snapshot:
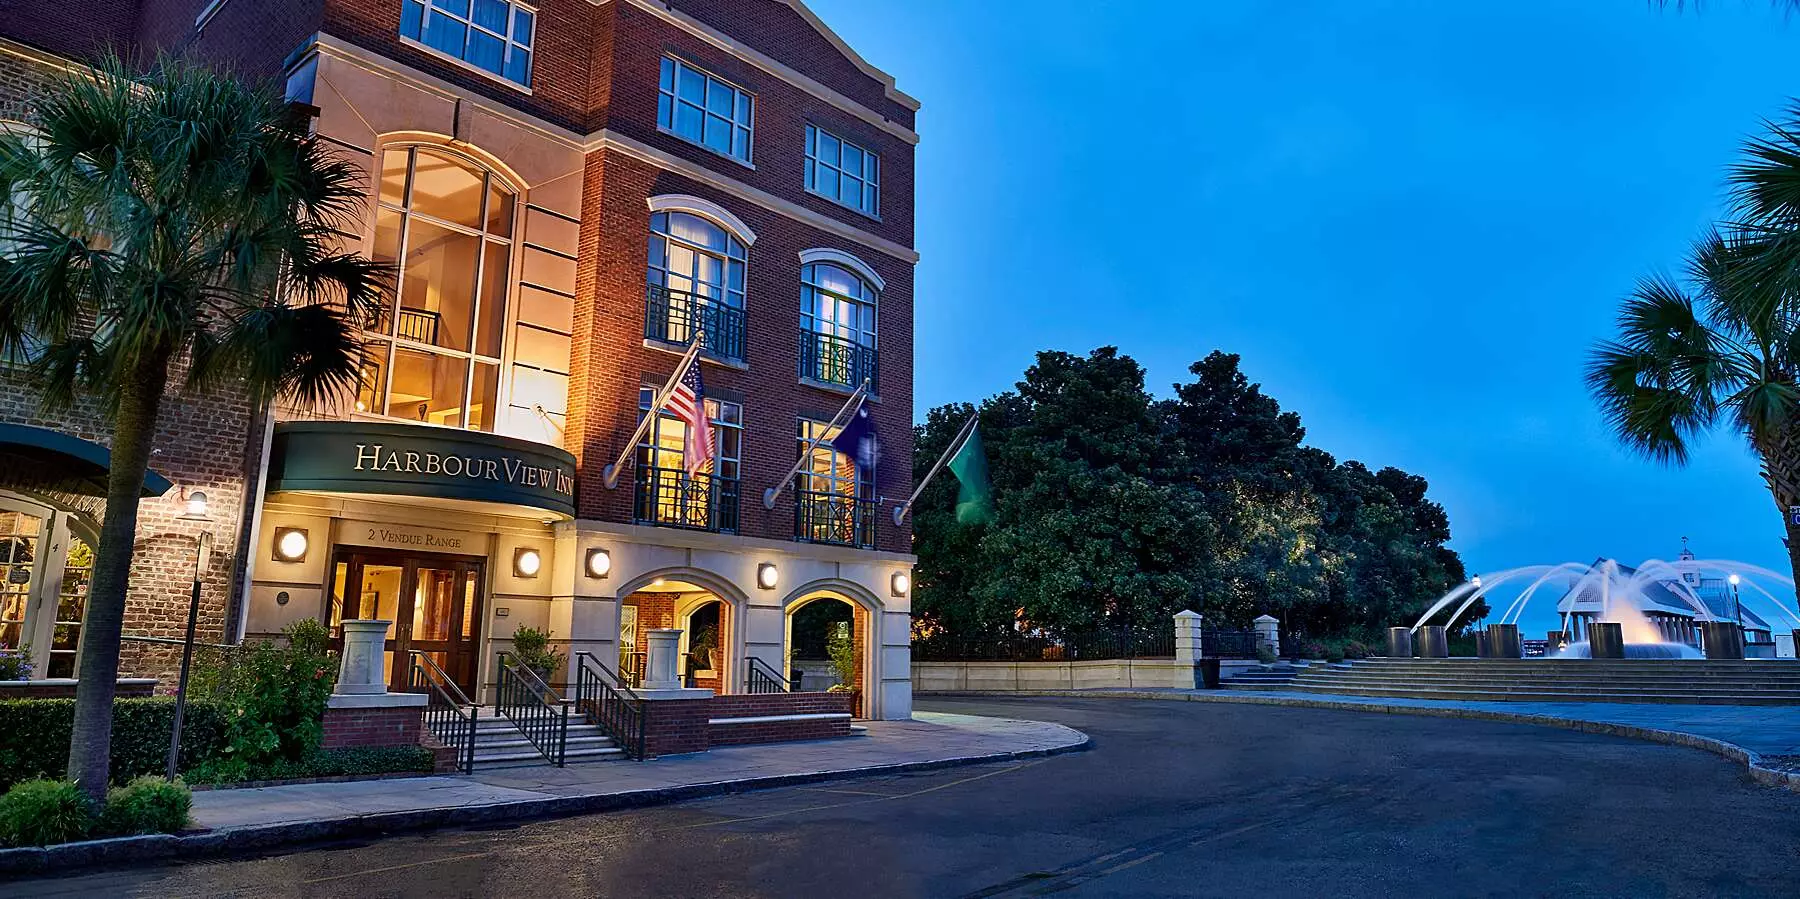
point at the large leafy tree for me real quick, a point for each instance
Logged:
(171, 228)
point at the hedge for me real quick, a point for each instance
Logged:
(34, 737)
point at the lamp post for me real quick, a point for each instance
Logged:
(195, 512)
(1737, 606)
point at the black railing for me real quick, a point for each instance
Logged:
(602, 696)
(834, 518)
(1228, 644)
(449, 715)
(836, 360)
(1100, 644)
(672, 316)
(419, 324)
(631, 668)
(761, 677)
(671, 498)
(534, 708)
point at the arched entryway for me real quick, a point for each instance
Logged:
(706, 610)
(829, 644)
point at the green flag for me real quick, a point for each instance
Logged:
(974, 495)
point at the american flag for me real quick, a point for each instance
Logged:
(688, 403)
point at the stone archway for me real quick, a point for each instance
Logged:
(815, 616)
(671, 598)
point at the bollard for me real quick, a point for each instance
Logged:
(1722, 639)
(1503, 641)
(1400, 644)
(1482, 649)
(1434, 642)
(1606, 640)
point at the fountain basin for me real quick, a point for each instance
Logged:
(1582, 650)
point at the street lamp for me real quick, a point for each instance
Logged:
(1737, 606)
(194, 511)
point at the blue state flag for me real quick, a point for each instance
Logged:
(857, 439)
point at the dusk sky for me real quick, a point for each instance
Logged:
(1411, 218)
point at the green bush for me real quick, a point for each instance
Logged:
(1355, 649)
(15, 664)
(34, 736)
(1334, 654)
(351, 761)
(273, 697)
(1266, 654)
(42, 812)
(531, 648)
(149, 804)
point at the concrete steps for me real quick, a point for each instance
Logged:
(498, 744)
(1676, 681)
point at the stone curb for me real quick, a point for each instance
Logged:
(1752, 761)
(160, 847)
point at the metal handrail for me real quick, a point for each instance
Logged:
(534, 708)
(631, 668)
(672, 316)
(761, 677)
(829, 517)
(603, 698)
(449, 714)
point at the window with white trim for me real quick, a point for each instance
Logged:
(492, 35)
(842, 172)
(704, 110)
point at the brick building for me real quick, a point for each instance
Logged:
(572, 192)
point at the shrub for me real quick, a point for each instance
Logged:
(1312, 649)
(148, 804)
(843, 658)
(1334, 654)
(1266, 654)
(273, 697)
(1355, 649)
(42, 812)
(350, 761)
(531, 647)
(15, 664)
(34, 736)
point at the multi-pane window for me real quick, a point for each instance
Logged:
(701, 109)
(491, 35)
(20, 534)
(434, 356)
(666, 494)
(842, 172)
(837, 302)
(65, 640)
(828, 471)
(661, 446)
(834, 498)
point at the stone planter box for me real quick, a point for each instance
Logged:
(64, 688)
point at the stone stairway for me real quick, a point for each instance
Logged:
(498, 744)
(1690, 681)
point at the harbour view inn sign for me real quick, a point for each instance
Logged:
(416, 460)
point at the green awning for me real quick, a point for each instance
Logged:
(50, 463)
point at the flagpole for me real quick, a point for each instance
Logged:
(950, 452)
(611, 472)
(850, 405)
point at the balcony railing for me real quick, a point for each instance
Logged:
(672, 316)
(834, 518)
(835, 360)
(671, 498)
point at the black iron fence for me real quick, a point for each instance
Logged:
(673, 316)
(670, 497)
(534, 708)
(761, 677)
(834, 518)
(603, 698)
(835, 360)
(449, 715)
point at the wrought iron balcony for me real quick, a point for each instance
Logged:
(835, 360)
(834, 518)
(671, 498)
(420, 325)
(672, 316)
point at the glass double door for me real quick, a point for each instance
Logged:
(433, 602)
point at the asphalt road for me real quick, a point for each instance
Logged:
(1174, 799)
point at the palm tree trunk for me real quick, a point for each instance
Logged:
(1781, 471)
(134, 430)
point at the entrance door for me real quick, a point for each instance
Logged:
(434, 603)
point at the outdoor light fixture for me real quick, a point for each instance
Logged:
(900, 583)
(194, 508)
(1734, 579)
(290, 544)
(767, 576)
(1476, 580)
(599, 563)
(526, 562)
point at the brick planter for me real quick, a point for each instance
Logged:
(779, 717)
(393, 726)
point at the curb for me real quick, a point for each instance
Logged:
(69, 857)
(1752, 761)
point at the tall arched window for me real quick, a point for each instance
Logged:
(837, 325)
(435, 355)
(696, 277)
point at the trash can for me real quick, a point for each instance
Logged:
(1209, 673)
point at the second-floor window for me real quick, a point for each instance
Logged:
(666, 494)
(842, 172)
(704, 110)
(834, 498)
(491, 35)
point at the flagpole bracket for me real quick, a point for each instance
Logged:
(769, 498)
(611, 474)
(900, 513)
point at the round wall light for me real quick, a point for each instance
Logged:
(527, 562)
(599, 563)
(291, 544)
(193, 507)
(767, 576)
(900, 583)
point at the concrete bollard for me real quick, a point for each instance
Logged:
(1482, 650)
(1722, 639)
(1606, 640)
(1434, 642)
(1399, 643)
(1503, 641)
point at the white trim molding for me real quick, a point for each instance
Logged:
(704, 209)
(839, 257)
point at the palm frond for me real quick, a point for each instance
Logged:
(1657, 383)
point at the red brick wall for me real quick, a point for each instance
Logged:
(676, 725)
(373, 727)
(610, 360)
(71, 27)
(779, 704)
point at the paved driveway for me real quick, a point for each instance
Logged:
(1175, 799)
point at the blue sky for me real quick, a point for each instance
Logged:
(1410, 217)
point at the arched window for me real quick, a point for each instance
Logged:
(837, 324)
(435, 355)
(696, 277)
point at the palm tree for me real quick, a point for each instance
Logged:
(170, 229)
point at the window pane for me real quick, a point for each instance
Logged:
(387, 252)
(412, 18)
(691, 85)
(718, 134)
(446, 188)
(719, 99)
(371, 380)
(850, 192)
(484, 398)
(492, 14)
(741, 146)
(522, 25)
(828, 181)
(446, 34)
(486, 51)
(687, 121)
(428, 387)
(393, 176)
(493, 300)
(828, 149)
(696, 230)
(665, 111)
(459, 7)
(852, 160)
(743, 109)
(499, 211)
(667, 83)
(518, 66)
(438, 286)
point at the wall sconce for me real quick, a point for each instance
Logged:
(194, 507)
(527, 562)
(900, 583)
(290, 544)
(767, 576)
(599, 563)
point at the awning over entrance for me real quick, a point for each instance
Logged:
(67, 470)
(358, 457)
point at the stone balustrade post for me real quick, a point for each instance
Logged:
(1268, 632)
(361, 668)
(1187, 636)
(661, 671)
